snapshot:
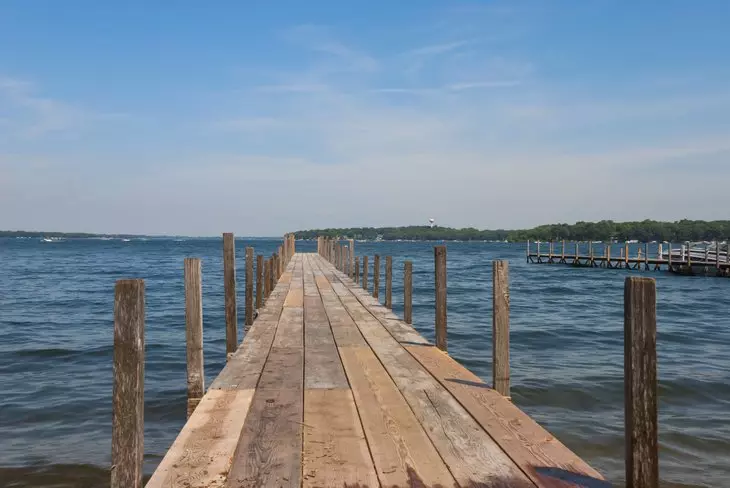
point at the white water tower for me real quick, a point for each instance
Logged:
(431, 222)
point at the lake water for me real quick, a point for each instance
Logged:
(56, 318)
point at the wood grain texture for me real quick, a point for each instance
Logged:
(249, 289)
(259, 281)
(289, 331)
(439, 253)
(335, 450)
(388, 281)
(201, 455)
(500, 327)
(365, 273)
(376, 277)
(357, 270)
(532, 448)
(640, 383)
(402, 452)
(269, 452)
(229, 285)
(128, 390)
(408, 292)
(194, 332)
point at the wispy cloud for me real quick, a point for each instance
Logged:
(470, 85)
(436, 48)
(32, 115)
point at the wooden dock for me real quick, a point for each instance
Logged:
(331, 389)
(707, 259)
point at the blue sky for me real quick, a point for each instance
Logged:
(265, 117)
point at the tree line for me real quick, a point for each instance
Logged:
(604, 230)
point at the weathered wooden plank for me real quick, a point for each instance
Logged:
(201, 455)
(335, 450)
(289, 331)
(525, 442)
(295, 298)
(269, 452)
(402, 452)
(128, 389)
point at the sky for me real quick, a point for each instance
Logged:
(196, 118)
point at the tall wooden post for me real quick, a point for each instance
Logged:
(608, 255)
(267, 278)
(527, 251)
(640, 383)
(357, 269)
(626, 255)
(439, 253)
(229, 281)
(365, 273)
(272, 273)
(562, 251)
(389, 282)
(259, 281)
(249, 288)
(352, 258)
(646, 255)
(194, 332)
(500, 327)
(376, 276)
(550, 251)
(128, 390)
(280, 263)
(408, 292)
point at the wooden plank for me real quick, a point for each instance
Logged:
(295, 298)
(525, 442)
(194, 332)
(402, 452)
(470, 453)
(128, 389)
(322, 368)
(289, 331)
(335, 450)
(269, 452)
(201, 455)
(640, 383)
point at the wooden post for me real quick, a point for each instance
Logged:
(249, 288)
(272, 273)
(229, 282)
(389, 282)
(376, 276)
(267, 278)
(576, 251)
(352, 258)
(365, 273)
(259, 281)
(280, 263)
(500, 327)
(640, 383)
(194, 332)
(646, 255)
(527, 251)
(608, 255)
(689, 256)
(357, 269)
(626, 255)
(669, 255)
(439, 253)
(550, 251)
(562, 251)
(128, 390)
(408, 292)
(537, 243)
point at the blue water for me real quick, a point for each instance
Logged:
(56, 316)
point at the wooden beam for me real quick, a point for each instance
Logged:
(376, 277)
(389, 282)
(194, 332)
(640, 383)
(364, 272)
(408, 292)
(128, 391)
(249, 288)
(500, 327)
(229, 285)
(259, 281)
(439, 253)
(357, 269)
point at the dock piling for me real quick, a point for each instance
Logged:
(249, 289)
(352, 258)
(267, 278)
(389, 282)
(194, 332)
(376, 276)
(259, 281)
(128, 390)
(229, 281)
(439, 253)
(500, 327)
(408, 292)
(357, 269)
(365, 273)
(640, 383)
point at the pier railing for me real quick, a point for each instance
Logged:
(640, 377)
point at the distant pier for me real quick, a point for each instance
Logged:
(707, 258)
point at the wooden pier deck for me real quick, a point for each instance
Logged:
(331, 389)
